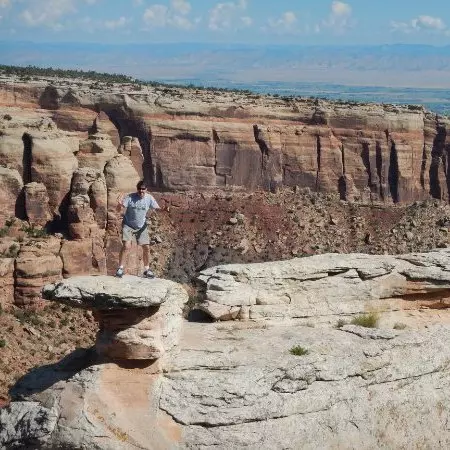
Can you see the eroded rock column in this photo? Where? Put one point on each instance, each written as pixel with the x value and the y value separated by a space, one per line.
pixel 139 319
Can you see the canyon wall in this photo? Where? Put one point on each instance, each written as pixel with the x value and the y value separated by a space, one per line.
pixel 182 139
pixel 69 148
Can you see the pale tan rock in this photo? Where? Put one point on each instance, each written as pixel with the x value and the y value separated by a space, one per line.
pixel 37 264
pixel 37 204
pixel 131 148
pixel 139 319
pixel 10 189
pixel 53 165
pixel 96 151
pixel 88 204
pixel 83 257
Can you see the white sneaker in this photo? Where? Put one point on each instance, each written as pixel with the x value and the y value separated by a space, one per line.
pixel 119 272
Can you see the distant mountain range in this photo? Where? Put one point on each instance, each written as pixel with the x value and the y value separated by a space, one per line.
pixel 348 72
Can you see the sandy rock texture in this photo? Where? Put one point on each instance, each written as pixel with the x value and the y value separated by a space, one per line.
pixel 238 387
pixel 327 285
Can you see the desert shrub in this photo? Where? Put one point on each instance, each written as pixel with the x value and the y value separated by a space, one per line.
pixel 340 323
pixel 2 343
pixel 366 320
pixel 298 350
pixel 35 232
pixel 7 117
pixel 399 326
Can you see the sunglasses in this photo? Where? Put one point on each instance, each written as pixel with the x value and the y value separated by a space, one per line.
pixel 142 189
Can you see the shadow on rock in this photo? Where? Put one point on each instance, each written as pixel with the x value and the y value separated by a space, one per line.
pixel 41 378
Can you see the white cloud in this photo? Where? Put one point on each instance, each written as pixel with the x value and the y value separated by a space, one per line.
pixel 175 16
pixel 156 15
pixel 115 24
pixel 285 22
pixel 227 15
pixel 181 6
pixel 4 3
pixel 246 21
pixel 340 17
pixel 426 23
pixel 46 13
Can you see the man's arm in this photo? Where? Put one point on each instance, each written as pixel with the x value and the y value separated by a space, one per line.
pixel 120 207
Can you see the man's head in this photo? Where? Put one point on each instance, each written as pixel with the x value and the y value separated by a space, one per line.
pixel 141 188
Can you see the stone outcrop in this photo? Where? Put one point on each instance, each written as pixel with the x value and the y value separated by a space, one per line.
pixel 326 285
pixel 242 387
pixel 38 263
pixel 37 204
pixel 10 192
pixel 139 319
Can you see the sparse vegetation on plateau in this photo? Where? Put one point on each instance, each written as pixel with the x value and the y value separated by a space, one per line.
pixel 366 320
pixel 298 350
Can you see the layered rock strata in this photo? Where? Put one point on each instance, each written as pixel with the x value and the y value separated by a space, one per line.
pixel 186 139
pixel 327 285
pixel 139 319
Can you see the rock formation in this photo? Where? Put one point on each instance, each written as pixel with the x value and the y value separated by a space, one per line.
pixel 264 383
pixel 139 319
pixel 326 285
pixel 205 139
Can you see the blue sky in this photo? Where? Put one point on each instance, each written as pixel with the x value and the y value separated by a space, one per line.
pixel 305 22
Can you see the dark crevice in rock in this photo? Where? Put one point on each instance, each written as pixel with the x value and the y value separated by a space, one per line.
pixel 435 163
pixel 423 167
pixel 379 166
pixel 393 176
pixel 365 156
pixel 27 158
pixel 319 151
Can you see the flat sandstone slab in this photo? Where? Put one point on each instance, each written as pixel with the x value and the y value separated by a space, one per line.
pixel 106 292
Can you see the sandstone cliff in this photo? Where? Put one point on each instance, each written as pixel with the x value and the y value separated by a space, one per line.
pixel 189 138
pixel 67 149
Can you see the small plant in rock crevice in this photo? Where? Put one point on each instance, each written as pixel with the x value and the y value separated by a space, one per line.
pixel 298 350
pixel 366 320
pixel 340 323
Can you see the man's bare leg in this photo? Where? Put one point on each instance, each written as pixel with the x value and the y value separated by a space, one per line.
pixel 146 259
pixel 123 255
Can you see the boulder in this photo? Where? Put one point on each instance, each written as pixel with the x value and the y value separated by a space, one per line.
pixel 139 319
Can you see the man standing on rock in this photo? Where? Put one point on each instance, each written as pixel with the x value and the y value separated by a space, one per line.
pixel 134 208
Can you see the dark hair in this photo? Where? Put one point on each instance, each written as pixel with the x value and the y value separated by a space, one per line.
pixel 141 184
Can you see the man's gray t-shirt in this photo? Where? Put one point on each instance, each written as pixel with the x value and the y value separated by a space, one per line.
pixel 137 208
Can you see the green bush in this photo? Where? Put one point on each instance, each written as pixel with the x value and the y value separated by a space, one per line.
pixel 35 232
pixel 298 350
pixel 2 343
pixel 366 320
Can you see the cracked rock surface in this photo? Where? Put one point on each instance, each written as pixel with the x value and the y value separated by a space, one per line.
pixel 238 386
pixel 326 285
